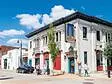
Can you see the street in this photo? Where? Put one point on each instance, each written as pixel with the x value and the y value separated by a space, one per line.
pixel 11 77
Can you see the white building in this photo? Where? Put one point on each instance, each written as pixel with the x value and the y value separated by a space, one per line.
pixel 87 36
pixel 11 60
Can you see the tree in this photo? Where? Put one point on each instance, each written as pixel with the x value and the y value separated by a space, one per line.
pixel 108 55
pixel 54 50
pixel 108 51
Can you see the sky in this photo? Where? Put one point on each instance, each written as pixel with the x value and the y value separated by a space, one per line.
pixel 20 17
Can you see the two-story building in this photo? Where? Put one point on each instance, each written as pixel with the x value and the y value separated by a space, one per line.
pixel 85 35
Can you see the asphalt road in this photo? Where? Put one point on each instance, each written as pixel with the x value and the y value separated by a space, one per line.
pixel 11 77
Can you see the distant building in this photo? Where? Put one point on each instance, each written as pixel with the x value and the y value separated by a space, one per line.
pixel 85 35
pixel 11 60
pixel 3 50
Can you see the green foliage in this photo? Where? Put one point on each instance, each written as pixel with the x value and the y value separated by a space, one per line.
pixel 54 50
pixel 108 50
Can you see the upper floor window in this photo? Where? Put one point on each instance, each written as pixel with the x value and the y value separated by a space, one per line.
pixel 106 35
pixel 109 37
pixel 69 33
pixel 37 43
pixel 58 36
pixel 45 40
pixel 30 44
pixel 98 35
pixel 70 30
pixel 84 32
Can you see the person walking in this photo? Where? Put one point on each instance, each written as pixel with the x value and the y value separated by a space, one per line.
pixel 37 69
pixel 86 70
pixel 44 69
pixel 79 68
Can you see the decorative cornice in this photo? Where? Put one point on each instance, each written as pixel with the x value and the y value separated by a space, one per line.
pixel 76 15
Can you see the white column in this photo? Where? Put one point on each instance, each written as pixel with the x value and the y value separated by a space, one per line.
pixel 62 62
pixel 93 47
pixel 33 61
pixel 50 65
pixel 66 65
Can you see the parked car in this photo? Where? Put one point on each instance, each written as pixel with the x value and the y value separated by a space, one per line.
pixel 25 69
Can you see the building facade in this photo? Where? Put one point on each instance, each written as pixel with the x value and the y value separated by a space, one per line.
pixel 11 60
pixel 3 50
pixel 85 35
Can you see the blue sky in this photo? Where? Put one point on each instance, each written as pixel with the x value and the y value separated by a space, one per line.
pixel 19 17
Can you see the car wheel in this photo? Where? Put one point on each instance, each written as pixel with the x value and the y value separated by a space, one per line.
pixel 31 71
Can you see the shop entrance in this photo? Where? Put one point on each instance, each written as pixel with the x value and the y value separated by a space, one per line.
pixel 71 64
pixel 5 63
pixel 99 60
pixel 37 61
pixel 47 63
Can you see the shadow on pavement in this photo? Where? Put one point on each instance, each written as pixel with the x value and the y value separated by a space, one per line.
pixel 5 78
pixel 88 83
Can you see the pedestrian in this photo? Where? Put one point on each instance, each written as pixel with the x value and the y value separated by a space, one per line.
pixel 86 69
pixel 44 68
pixel 79 68
pixel 37 67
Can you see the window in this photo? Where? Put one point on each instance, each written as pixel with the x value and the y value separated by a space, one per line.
pixel 109 37
pixel 60 35
pixel 98 35
pixel 70 30
pixel 30 44
pixel 84 32
pixel 44 40
pixel 106 37
pixel 56 36
pixel 69 33
pixel 37 43
pixel 85 57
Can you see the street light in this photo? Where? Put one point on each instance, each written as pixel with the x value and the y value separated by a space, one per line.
pixel 21 59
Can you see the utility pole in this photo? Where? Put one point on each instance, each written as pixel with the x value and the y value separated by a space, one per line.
pixel 21 59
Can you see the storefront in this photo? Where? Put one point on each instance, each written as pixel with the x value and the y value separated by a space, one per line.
pixel 99 60
pixel 57 62
pixel 37 58
pixel 71 67
pixel 46 58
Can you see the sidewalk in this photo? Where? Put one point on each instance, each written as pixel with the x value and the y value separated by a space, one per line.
pixel 97 75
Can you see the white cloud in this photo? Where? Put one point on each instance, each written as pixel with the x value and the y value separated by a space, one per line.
pixel 11 32
pixel 39 20
pixel 31 21
pixel 13 42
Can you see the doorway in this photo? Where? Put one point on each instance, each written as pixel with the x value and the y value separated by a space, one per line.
pixel 37 61
pixel 71 63
pixel 5 63
pixel 99 60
